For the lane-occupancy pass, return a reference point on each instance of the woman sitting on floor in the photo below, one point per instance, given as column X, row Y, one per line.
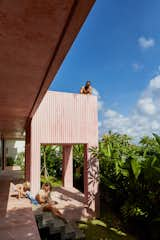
column 43, row 198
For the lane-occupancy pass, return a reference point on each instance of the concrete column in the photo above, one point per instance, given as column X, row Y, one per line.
column 35, row 159
column 35, row 167
column 28, row 153
column 3, row 154
column 67, row 171
column 91, row 182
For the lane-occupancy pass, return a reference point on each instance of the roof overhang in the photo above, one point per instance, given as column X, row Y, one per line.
column 35, row 36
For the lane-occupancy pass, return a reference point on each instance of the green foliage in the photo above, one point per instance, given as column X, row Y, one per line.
column 130, row 177
column 136, row 167
column 98, row 229
column 132, row 210
column 20, row 160
column 53, row 181
column 78, row 156
column 10, row 161
column 53, row 155
column 78, row 166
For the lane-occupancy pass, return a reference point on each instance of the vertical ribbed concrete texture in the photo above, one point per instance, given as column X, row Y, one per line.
column 65, row 118
column 67, row 168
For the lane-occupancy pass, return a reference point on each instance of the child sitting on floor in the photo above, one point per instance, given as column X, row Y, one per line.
column 23, row 190
column 20, row 189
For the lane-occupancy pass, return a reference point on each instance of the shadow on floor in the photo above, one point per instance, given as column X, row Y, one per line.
column 19, row 224
column 6, row 177
column 4, row 195
column 97, row 229
column 16, row 217
column 75, row 194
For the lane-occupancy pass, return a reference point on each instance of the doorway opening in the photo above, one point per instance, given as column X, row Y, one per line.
column 78, row 167
column 52, row 163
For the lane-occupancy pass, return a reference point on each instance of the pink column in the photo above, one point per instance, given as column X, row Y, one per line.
column 91, row 182
column 35, row 167
column 67, row 171
column 32, row 159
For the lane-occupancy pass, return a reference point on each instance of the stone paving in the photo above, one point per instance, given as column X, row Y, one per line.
column 17, row 221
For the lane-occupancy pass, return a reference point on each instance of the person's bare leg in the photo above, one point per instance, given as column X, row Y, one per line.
column 54, row 211
column 57, row 213
column 19, row 195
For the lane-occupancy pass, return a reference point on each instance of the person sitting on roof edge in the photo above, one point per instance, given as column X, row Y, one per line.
column 87, row 89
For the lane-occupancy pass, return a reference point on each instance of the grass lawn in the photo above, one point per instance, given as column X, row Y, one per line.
column 99, row 230
column 109, row 227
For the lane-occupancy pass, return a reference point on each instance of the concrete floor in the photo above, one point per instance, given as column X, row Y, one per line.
column 70, row 202
column 17, row 221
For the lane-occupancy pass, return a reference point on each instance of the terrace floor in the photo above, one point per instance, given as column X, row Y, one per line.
column 70, row 202
column 17, row 219
column 17, row 216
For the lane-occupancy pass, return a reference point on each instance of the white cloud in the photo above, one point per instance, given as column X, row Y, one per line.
column 110, row 113
column 155, row 83
column 155, row 125
column 100, row 102
column 100, row 105
column 146, row 106
column 146, row 42
column 95, row 93
column 144, row 118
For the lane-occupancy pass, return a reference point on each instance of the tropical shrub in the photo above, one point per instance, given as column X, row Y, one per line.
column 20, row 160
column 130, row 179
column 51, row 161
column 51, row 164
column 78, row 166
column 10, row 161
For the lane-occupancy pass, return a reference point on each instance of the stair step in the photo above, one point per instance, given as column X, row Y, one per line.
column 46, row 220
column 57, row 227
column 69, row 232
column 79, row 233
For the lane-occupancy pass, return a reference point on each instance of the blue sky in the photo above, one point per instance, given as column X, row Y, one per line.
column 118, row 49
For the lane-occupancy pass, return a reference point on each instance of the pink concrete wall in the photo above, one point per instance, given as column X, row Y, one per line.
column 71, row 118
column 65, row 118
